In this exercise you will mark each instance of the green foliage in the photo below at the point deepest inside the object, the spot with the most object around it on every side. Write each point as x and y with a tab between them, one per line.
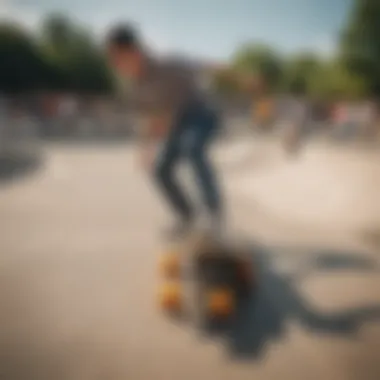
259	60
360	43
335	81
299	72
353	73
63	58
81	64
21	65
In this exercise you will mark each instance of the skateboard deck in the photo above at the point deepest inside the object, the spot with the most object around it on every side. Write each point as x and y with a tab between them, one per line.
205	277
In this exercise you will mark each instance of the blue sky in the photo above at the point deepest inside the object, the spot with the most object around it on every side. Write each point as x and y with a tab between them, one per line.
205	28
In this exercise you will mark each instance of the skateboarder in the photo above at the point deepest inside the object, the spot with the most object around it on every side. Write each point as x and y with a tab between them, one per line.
172	102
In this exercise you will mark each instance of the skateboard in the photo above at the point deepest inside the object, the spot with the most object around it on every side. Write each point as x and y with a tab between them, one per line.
205	275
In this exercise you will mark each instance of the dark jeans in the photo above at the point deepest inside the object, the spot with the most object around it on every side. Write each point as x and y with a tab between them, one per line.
189	139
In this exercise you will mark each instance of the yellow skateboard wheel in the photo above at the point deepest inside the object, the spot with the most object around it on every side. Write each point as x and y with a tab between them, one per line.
170	264
221	303
170	296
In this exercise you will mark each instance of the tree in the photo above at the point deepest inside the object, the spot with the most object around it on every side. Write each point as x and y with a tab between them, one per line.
259	60
64	57
79	63
299	71
360	43
22	68
334	81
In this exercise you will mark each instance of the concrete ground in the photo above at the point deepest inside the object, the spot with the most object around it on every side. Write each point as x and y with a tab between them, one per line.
79	241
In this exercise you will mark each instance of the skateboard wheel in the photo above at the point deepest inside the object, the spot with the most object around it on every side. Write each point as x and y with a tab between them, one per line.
170	265
170	296
221	303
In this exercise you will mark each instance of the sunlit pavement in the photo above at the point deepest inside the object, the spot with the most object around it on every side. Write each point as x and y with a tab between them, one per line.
321	185
79	242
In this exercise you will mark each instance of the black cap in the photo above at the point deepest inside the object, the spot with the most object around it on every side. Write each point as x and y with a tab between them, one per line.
123	35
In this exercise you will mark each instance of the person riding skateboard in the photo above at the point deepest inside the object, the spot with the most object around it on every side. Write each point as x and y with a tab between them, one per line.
171	100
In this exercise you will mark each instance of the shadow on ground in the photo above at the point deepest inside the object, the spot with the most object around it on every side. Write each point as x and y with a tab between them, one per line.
15	164
277	301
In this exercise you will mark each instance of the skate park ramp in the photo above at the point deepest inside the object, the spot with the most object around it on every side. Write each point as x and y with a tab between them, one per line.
79	249
324	185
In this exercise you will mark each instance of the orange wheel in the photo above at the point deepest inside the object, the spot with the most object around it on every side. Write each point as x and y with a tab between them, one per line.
220	303
170	296
170	265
